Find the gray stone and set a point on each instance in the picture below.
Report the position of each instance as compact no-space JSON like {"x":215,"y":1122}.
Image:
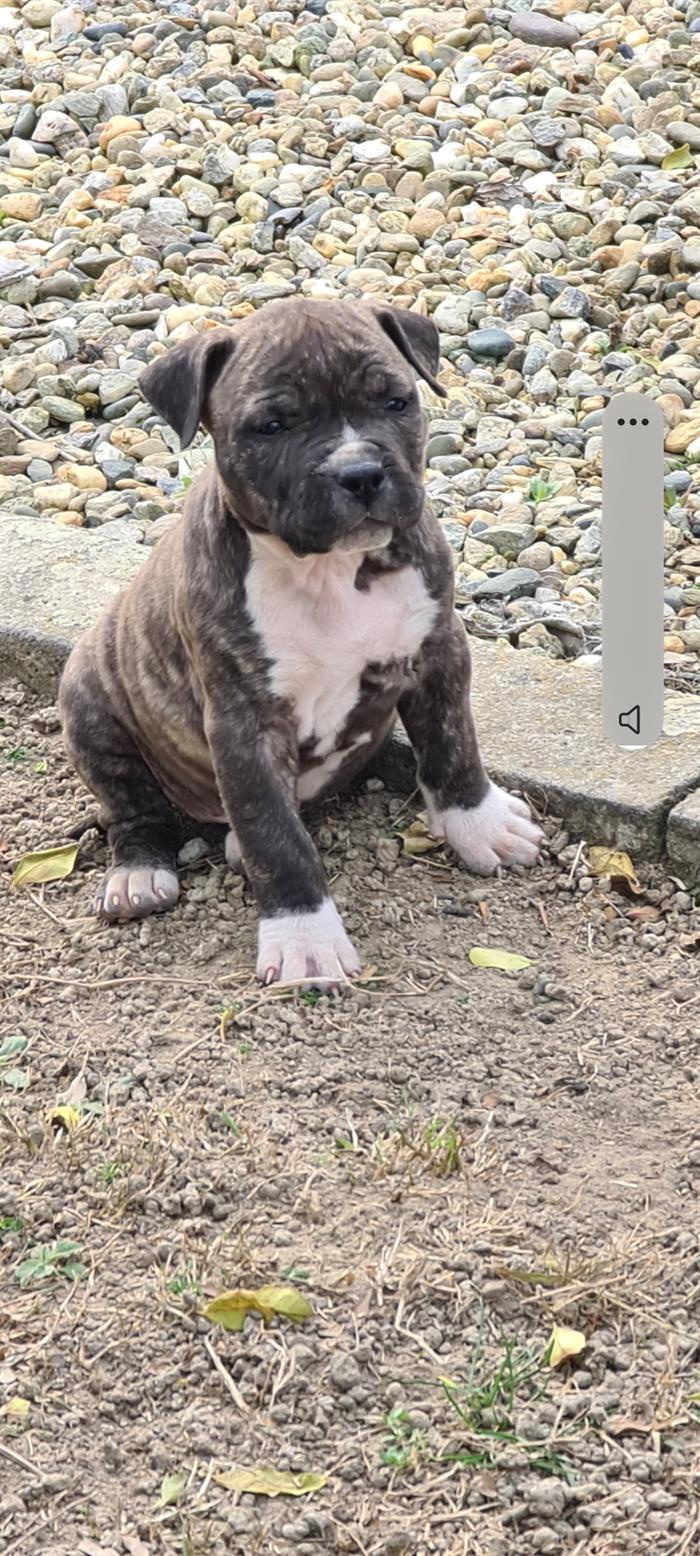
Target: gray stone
{"x":39,"y":470}
{"x":679,"y":131}
{"x":533,"y":27}
{"x":489,"y":343}
{"x":510,"y":585}
{"x":508,"y":539}
{"x":454,"y":314}
{"x":62,"y":410}
{"x":25,"y":123}
{"x":168,"y":209}
{"x":683,"y":839}
{"x":115,"y":386}
{"x":572,"y":303}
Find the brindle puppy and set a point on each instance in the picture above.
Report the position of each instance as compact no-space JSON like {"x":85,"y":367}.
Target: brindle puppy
{"x":262,"y":653}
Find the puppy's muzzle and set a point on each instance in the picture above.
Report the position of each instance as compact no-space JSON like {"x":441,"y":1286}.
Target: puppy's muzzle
{"x":362,"y":478}
{"x":358,"y":471}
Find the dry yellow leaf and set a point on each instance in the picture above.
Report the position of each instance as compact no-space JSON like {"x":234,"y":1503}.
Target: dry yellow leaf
{"x":286,"y":1301}
{"x":492,"y":956}
{"x":264,"y":1482}
{"x":563,"y":1344}
{"x":49,"y":864}
{"x":610,"y":861}
{"x":416,"y":839}
{"x":678,"y":158}
{"x":17,"y":1408}
{"x":230,"y":1308}
{"x":172,"y":1489}
{"x":65,"y":1117}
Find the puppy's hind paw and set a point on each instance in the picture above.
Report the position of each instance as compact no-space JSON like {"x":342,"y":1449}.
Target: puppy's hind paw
{"x":135,"y":891}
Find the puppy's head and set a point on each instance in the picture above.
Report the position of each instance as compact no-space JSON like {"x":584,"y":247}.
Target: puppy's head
{"x":314,"y":411}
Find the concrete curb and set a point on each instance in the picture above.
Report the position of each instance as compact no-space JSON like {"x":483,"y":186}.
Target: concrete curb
{"x":539,"y":720}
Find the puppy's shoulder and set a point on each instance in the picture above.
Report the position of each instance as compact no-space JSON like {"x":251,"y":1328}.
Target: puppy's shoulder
{"x":426,"y":549}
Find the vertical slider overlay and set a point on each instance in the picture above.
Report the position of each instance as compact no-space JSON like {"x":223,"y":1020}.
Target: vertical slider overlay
{"x":633,"y":571}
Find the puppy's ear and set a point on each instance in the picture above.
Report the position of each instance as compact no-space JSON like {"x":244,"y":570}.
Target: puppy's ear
{"x":417,"y":339}
{"x":178,"y":383}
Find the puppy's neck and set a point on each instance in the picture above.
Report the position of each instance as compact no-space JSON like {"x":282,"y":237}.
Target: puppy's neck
{"x":317,"y":573}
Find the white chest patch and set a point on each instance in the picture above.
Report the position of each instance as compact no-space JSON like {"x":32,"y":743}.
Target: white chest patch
{"x":320,"y":633}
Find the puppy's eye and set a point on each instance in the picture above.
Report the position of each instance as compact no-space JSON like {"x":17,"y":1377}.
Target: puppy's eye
{"x":397,"y":405}
{"x":268,"y":429}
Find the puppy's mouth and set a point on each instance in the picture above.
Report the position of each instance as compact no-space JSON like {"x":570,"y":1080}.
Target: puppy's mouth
{"x":368,"y":535}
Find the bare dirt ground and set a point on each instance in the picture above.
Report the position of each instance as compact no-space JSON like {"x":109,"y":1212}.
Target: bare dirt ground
{"x":446,"y":1162}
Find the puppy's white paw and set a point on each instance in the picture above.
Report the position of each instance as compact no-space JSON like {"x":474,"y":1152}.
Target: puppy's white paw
{"x":307,"y":948}
{"x":498,"y":831}
{"x":135,"y":891}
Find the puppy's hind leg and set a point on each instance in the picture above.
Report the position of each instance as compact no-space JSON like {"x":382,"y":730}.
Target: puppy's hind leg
{"x":140,"y":823}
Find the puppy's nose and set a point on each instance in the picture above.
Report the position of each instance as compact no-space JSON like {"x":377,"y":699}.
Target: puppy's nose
{"x":362,"y":478}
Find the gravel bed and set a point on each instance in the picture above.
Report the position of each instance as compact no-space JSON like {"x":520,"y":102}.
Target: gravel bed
{"x":518,"y":172}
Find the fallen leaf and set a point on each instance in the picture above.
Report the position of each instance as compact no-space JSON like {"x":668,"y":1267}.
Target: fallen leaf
{"x":563,"y":1344}
{"x":11,"y":1046}
{"x":50,"y":864}
{"x":415,"y":846}
{"x":286,"y":1301}
{"x":646,"y":915}
{"x":17,"y":1080}
{"x":416,"y":839}
{"x":17,"y":1408}
{"x":689,"y":942}
{"x":66,"y":1117}
{"x":679,"y":157}
{"x":263,"y":1482}
{"x":618,"y":1425}
{"x":75,"y":1094}
{"x":171,"y":1490}
{"x":230,"y":1308}
{"x":491,"y":956}
{"x":619,"y":866}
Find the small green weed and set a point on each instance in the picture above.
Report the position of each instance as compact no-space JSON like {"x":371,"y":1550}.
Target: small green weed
{"x":293,"y":1273}
{"x":9,"y":1224}
{"x":406,"y":1445}
{"x":442,"y":1147}
{"x":47,"y":1260}
{"x":486,"y":1400}
{"x":186,"y":1280}
{"x":540,"y":489}
{"x":10,"y":1048}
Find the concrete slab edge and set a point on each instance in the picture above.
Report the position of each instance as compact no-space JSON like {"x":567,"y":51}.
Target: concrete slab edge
{"x":36,"y":660}
{"x":596,"y":819}
{"x":33,"y":658}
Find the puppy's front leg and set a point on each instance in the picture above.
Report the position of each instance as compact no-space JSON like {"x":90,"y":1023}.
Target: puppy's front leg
{"x":300,"y":935}
{"x":483,"y":824}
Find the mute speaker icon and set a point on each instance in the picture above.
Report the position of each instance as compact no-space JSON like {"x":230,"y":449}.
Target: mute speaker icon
{"x":631,"y":719}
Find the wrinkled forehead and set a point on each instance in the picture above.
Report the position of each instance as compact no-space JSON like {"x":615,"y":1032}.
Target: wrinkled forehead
{"x":323,"y":356}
